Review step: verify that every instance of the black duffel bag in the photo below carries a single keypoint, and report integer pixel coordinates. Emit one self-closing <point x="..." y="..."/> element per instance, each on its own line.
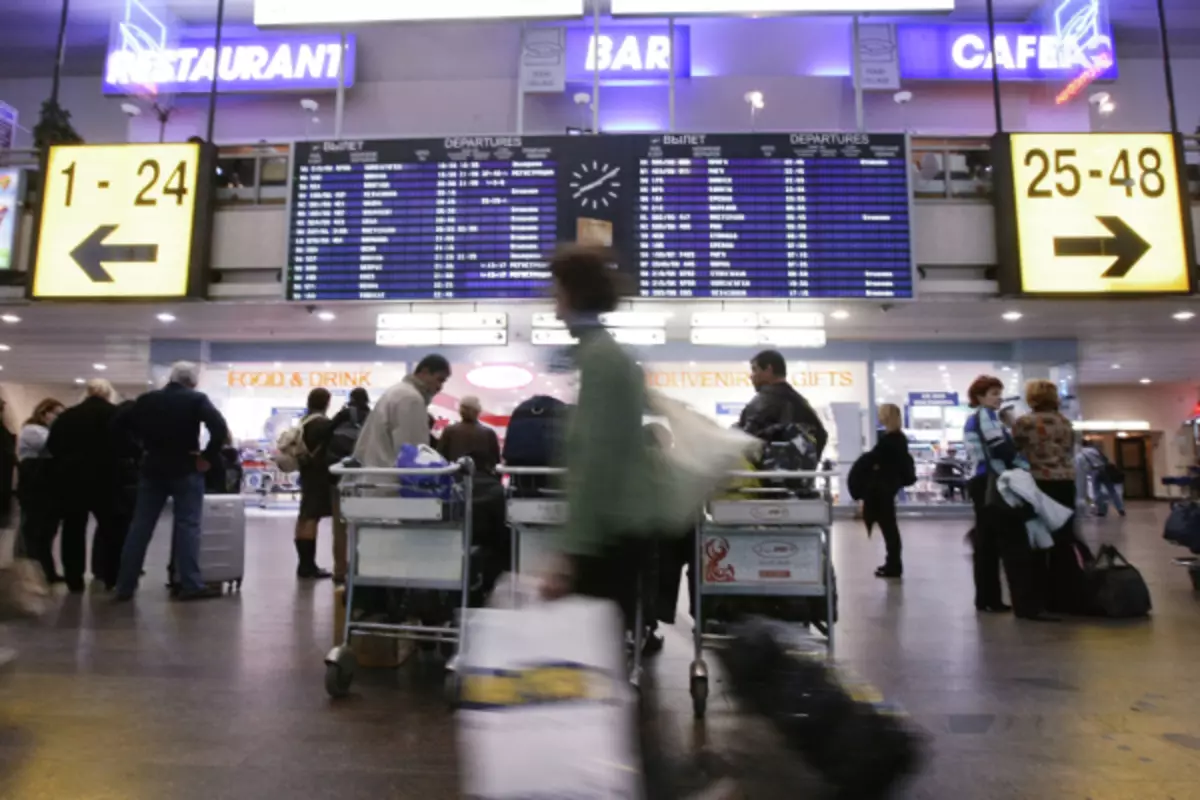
<point x="861" y="749"/>
<point x="1117" y="588"/>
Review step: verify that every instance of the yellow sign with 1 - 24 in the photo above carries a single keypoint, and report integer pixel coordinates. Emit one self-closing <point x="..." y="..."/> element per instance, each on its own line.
<point x="118" y="221"/>
<point x="1099" y="213"/>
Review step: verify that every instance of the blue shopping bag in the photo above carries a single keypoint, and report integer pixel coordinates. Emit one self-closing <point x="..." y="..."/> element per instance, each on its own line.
<point x="422" y="456"/>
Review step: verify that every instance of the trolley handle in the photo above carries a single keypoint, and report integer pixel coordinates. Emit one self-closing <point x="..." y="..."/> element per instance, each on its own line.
<point x="465" y="465"/>
<point x="778" y="474"/>
<point x="531" y="471"/>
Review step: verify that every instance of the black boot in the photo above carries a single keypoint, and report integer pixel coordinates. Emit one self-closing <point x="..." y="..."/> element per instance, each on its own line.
<point x="306" y="553"/>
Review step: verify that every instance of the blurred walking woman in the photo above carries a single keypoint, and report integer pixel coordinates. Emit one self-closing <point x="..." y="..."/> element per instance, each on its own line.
<point x="39" y="514"/>
<point x="610" y="477"/>
<point x="991" y="447"/>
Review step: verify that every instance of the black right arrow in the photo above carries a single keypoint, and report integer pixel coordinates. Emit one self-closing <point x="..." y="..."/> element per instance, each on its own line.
<point x="1124" y="243"/>
<point x="92" y="253"/>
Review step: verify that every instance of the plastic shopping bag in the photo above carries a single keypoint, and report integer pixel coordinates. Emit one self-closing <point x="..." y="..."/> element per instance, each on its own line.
<point x="546" y="710"/>
<point x="700" y="460"/>
<point x="422" y="456"/>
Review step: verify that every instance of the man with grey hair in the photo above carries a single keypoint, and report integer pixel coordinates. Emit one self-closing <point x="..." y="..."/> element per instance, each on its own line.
<point x="469" y="438"/>
<point x="167" y="422"/>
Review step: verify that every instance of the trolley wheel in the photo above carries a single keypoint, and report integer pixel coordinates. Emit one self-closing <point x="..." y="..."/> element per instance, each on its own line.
<point x="339" y="671"/>
<point x="699" y="695"/>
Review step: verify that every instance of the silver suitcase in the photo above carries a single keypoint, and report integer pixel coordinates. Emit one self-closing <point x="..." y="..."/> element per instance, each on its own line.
<point x="222" y="541"/>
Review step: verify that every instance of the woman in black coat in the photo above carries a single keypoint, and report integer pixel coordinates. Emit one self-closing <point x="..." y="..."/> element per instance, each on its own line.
<point x="892" y="471"/>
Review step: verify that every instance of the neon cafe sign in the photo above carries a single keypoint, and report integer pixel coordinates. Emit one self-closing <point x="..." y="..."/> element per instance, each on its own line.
<point x="257" y="63"/>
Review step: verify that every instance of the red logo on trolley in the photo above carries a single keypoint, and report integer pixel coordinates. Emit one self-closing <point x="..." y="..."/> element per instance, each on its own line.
<point x="715" y="551"/>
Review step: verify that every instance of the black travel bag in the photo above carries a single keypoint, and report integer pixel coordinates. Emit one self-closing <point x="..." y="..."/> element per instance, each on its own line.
<point x="861" y="748"/>
<point x="1117" y="588"/>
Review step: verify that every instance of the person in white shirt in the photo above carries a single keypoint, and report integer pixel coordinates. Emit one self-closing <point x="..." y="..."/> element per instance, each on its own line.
<point x="401" y="416"/>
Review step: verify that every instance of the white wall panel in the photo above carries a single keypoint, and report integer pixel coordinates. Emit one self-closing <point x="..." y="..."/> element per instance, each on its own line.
<point x="954" y="233"/>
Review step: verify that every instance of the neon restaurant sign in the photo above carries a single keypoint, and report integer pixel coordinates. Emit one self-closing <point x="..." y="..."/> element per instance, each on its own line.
<point x="258" y="63"/>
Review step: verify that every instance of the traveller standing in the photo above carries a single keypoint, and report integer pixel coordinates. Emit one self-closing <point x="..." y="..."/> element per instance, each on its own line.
<point x="35" y="487"/>
<point x="777" y="408"/>
<point x="1047" y="440"/>
<point x="344" y="431"/>
<point x="987" y="441"/>
<point x="8" y="466"/>
<point x="401" y="416"/>
<point x="1102" y="474"/>
<point x="469" y="437"/>
<point x="81" y="444"/>
<point x="167" y="422"/>
<point x="892" y="472"/>
<point x="316" y="486"/>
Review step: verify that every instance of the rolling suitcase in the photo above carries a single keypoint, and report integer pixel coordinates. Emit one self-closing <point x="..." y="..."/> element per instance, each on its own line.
<point x="222" y="542"/>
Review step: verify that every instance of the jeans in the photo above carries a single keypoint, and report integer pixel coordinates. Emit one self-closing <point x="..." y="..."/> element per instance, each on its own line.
<point x="187" y="493"/>
<point x="1103" y="489"/>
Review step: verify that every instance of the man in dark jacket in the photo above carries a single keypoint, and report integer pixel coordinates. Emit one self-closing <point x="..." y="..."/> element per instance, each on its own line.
<point x="85" y="466"/>
<point x="778" y="413"/>
<point x="168" y="423"/>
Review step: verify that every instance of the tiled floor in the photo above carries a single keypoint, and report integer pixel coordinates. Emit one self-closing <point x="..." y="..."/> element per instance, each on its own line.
<point x="224" y="699"/>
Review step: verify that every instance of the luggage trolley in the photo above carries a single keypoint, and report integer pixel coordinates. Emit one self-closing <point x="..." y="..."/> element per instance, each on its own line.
<point x="535" y="521"/>
<point x="770" y="544"/>
<point x="398" y="542"/>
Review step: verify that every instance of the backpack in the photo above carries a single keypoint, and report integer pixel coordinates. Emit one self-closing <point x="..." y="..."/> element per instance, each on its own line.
<point x="1117" y="588"/>
<point x="291" y="451"/>
<point x="532" y="436"/>
<point x="532" y="440"/>
<point x="345" y="435"/>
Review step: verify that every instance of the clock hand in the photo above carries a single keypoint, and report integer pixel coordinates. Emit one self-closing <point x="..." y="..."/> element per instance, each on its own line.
<point x="612" y="173"/>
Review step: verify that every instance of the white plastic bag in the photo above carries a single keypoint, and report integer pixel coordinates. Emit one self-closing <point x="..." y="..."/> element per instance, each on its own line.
<point x="701" y="459"/>
<point x="546" y="708"/>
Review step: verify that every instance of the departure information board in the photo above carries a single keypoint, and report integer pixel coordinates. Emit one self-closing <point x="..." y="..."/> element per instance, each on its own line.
<point x="693" y="215"/>
<point x="799" y="215"/>
<point x="457" y="218"/>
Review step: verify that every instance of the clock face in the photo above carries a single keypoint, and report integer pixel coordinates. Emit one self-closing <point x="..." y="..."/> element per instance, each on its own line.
<point x="595" y="185"/>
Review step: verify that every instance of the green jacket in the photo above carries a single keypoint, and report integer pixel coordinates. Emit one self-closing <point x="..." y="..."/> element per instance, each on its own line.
<point x="610" y="475"/>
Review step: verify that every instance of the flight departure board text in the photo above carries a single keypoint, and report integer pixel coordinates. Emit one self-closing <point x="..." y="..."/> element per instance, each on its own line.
<point x="457" y="218"/>
<point x="692" y="215"/>
<point x="789" y="215"/>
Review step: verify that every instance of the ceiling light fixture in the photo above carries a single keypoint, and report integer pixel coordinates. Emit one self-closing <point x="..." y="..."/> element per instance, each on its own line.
<point x="326" y="316"/>
<point x="1116" y="366"/>
<point x="99" y="367"/>
<point x="165" y="316"/>
<point x="1011" y="316"/>
<point x="80" y="380"/>
<point x="1182" y="316"/>
<point x="4" y="348"/>
<point x="840" y="314"/>
<point x="1145" y="380"/>
<point x="13" y="319"/>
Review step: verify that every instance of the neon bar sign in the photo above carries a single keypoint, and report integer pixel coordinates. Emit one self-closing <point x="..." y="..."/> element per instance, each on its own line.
<point x="633" y="54"/>
<point x="1022" y="52"/>
<point x="247" y="64"/>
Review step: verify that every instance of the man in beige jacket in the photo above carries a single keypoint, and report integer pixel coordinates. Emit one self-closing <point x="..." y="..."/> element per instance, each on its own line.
<point x="401" y="416"/>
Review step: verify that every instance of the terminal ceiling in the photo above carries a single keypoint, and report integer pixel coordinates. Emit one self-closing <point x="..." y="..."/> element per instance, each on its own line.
<point x="31" y="27"/>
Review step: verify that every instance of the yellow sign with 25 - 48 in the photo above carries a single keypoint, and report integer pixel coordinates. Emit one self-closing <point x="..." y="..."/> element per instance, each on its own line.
<point x="117" y="221"/>
<point x="1099" y="213"/>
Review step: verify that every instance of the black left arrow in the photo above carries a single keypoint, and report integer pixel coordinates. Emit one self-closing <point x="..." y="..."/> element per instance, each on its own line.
<point x="92" y="253"/>
<point x="1124" y="243"/>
